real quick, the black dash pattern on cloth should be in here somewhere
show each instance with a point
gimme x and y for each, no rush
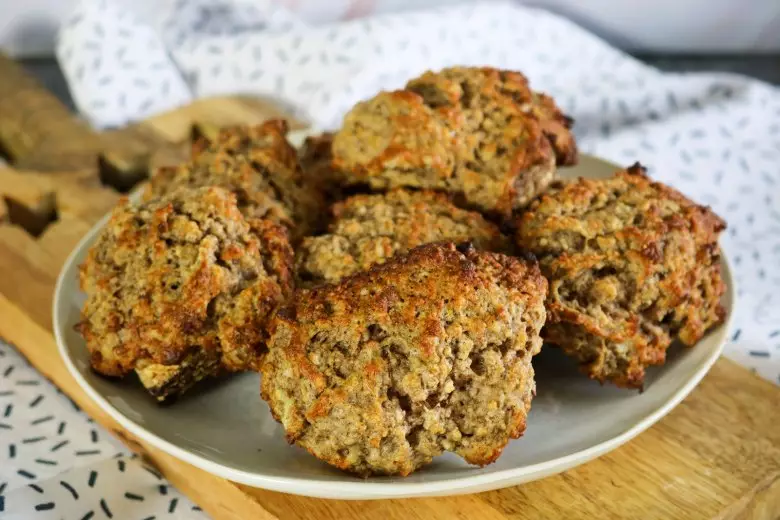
(55, 462)
(105, 508)
(70, 489)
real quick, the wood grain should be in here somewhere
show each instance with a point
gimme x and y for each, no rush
(36, 130)
(717, 455)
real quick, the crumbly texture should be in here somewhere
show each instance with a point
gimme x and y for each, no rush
(316, 157)
(479, 134)
(259, 166)
(181, 288)
(632, 265)
(476, 88)
(369, 229)
(429, 352)
(557, 128)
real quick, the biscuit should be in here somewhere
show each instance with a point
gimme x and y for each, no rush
(180, 288)
(477, 87)
(316, 159)
(478, 134)
(369, 229)
(259, 166)
(429, 352)
(632, 265)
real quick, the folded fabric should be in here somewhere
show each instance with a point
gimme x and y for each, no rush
(55, 462)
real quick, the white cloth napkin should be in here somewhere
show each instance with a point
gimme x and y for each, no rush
(716, 137)
(55, 462)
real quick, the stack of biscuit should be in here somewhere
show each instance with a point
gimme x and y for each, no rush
(180, 286)
(393, 280)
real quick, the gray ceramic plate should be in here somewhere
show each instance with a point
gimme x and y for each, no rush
(225, 428)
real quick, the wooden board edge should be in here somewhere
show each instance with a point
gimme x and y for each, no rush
(761, 503)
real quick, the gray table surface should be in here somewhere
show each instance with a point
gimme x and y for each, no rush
(764, 67)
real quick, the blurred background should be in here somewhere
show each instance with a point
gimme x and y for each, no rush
(676, 35)
(29, 27)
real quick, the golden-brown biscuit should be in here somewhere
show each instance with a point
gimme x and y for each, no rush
(632, 265)
(369, 229)
(259, 166)
(475, 88)
(179, 288)
(479, 134)
(429, 352)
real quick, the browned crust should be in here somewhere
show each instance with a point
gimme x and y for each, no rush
(395, 131)
(164, 381)
(557, 128)
(369, 229)
(316, 157)
(259, 166)
(181, 275)
(633, 264)
(450, 86)
(473, 133)
(427, 352)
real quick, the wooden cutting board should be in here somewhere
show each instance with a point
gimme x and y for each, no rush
(717, 455)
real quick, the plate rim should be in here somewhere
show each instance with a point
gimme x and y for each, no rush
(366, 489)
